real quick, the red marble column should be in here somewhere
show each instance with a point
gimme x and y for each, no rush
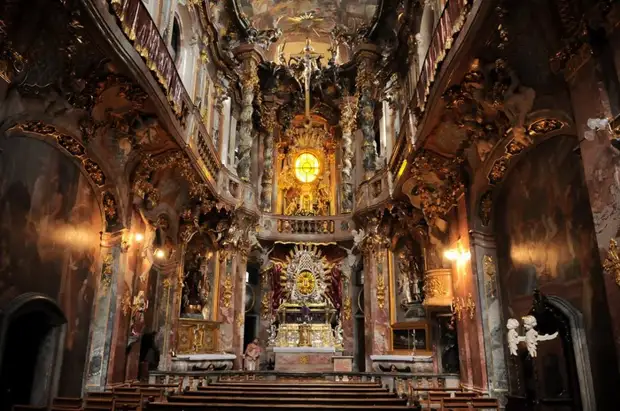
(225, 309)
(376, 302)
(469, 320)
(239, 308)
(590, 99)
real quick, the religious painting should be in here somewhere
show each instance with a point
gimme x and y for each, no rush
(545, 233)
(50, 227)
(410, 337)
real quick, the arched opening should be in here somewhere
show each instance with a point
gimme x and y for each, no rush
(546, 241)
(175, 42)
(31, 345)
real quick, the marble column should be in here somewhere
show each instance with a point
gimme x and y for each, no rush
(366, 105)
(266, 317)
(106, 326)
(167, 308)
(267, 192)
(249, 80)
(376, 300)
(484, 263)
(467, 300)
(241, 258)
(226, 289)
(592, 99)
(348, 114)
(348, 339)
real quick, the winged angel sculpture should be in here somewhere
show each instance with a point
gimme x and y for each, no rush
(531, 337)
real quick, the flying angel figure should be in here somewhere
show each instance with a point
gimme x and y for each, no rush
(513, 336)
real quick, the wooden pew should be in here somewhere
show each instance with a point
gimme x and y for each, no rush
(167, 406)
(297, 387)
(99, 401)
(29, 408)
(67, 403)
(448, 404)
(202, 391)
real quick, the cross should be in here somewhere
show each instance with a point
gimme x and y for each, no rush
(309, 58)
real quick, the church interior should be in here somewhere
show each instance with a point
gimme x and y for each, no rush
(302, 204)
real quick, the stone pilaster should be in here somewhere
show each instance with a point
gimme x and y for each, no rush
(366, 104)
(249, 80)
(348, 112)
(239, 307)
(107, 312)
(484, 263)
(348, 339)
(168, 299)
(266, 317)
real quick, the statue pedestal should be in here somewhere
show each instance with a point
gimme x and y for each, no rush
(304, 359)
(415, 363)
(215, 362)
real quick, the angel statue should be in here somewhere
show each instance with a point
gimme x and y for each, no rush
(513, 336)
(358, 237)
(531, 335)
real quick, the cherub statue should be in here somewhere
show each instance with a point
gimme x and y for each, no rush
(513, 336)
(532, 337)
(273, 333)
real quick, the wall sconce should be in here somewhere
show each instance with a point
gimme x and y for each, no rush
(458, 254)
(159, 253)
(460, 305)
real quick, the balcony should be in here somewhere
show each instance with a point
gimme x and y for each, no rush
(374, 191)
(139, 28)
(320, 229)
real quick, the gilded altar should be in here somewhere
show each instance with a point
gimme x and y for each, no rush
(305, 317)
(195, 336)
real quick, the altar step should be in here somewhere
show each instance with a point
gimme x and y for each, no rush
(212, 391)
(275, 399)
(259, 386)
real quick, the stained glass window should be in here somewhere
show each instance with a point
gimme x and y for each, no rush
(306, 167)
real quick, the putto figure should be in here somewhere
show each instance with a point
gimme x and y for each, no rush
(531, 338)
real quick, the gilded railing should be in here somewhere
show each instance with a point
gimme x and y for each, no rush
(450, 23)
(311, 228)
(374, 191)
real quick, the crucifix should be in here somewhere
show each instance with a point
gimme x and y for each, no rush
(309, 60)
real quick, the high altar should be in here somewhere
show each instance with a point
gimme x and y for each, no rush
(304, 339)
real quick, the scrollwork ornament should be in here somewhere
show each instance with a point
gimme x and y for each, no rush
(612, 261)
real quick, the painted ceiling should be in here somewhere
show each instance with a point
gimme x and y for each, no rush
(315, 19)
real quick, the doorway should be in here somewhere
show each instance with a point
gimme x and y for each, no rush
(31, 335)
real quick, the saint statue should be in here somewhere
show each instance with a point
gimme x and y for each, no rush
(252, 356)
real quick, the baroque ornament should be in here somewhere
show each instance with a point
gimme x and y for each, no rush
(364, 91)
(612, 261)
(347, 125)
(485, 207)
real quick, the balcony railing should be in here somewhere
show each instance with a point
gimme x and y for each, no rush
(450, 23)
(374, 191)
(311, 228)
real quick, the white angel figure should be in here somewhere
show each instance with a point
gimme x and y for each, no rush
(532, 337)
(358, 236)
(513, 336)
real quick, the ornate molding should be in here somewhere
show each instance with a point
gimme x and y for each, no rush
(611, 264)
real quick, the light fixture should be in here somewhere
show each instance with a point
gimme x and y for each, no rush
(159, 253)
(458, 254)
(139, 237)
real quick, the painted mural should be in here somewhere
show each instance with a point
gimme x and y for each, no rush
(546, 237)
(312, 17)
(49, 240)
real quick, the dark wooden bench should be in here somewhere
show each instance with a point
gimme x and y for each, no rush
(290, 393)
(393, 400)
(167, 406)
(448, 404)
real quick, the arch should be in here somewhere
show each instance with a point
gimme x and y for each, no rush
(111, 212)
(44, 385)
(580, 348)
(542, 125)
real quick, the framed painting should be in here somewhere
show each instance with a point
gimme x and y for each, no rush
(407, 337)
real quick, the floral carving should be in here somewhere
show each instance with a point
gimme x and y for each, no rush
(486, 206)
(106, 272)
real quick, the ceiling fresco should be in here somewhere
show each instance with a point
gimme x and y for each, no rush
(315, 19)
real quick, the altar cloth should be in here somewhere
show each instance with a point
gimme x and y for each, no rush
(304, 349)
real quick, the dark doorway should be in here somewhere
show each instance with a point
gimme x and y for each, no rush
(550, 381)
(30, 338)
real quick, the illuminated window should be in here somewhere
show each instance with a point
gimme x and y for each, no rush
(306, 168)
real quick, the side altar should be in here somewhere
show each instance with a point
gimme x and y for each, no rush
(306, 333)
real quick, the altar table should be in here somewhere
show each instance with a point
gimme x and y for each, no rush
(305, 359)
